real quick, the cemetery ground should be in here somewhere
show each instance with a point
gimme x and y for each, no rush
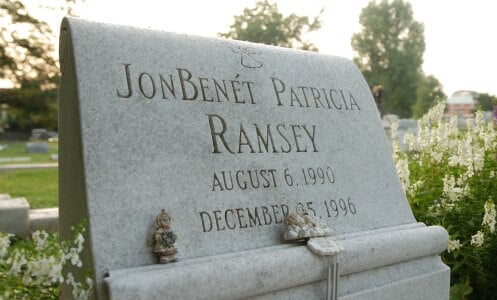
(15, 153)
(38, 186)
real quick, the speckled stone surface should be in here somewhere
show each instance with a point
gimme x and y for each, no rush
(378, 263)
(226, 136)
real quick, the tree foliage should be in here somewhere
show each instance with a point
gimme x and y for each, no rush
(265, 24)
(25, 45)
(29, 107)
(487, 101)
(27, 61)
(389, 51)
(428, 94)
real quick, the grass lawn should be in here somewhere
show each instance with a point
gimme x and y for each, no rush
(40, 187)
(17, 149)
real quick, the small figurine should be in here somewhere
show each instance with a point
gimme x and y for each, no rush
(164, 239)
(300, 225)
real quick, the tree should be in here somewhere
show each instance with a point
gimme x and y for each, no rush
(265, 24)
(27, 61)
(487, 101)
(428, 94)
(389, 51)
(29, 107)
(25, 45)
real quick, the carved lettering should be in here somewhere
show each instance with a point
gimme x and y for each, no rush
(191, 87)
(151, 93)
(290, 138)
(242, 218)
(185, 78)
(128, 83)
(227, 180)
(218, 134)
(295, 96)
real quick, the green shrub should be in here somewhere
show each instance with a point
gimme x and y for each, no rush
(449, 176)
(32, 269)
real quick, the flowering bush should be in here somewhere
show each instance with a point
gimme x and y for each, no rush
(449, 176)
(33, 269)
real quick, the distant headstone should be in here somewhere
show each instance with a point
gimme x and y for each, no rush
(229, 137)
(14, 215)
(37, 147)
(39, 133)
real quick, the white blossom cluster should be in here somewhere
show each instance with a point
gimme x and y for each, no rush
(78, 290)
(489, 217)
(477, 239)
(461, 153)
(489, 221)
(453, 245)
(43, 265)
(4, 245)
(437, 141)
(402, 164)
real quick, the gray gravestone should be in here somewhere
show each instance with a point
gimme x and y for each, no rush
(229, 137)
(37, 147)
(38, 134)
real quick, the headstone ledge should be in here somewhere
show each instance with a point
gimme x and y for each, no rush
(228, 137)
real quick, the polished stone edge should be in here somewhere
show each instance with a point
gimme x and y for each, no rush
(266, 271)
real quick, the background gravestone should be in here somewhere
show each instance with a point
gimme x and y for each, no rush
(37, 147)
(227, 137)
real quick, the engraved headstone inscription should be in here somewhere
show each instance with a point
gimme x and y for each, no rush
(229, 137)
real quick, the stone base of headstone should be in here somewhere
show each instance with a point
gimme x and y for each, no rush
(14, 215)
(45, 218)
(393, 263)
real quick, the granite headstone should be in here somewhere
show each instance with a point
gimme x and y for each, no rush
(228, 137)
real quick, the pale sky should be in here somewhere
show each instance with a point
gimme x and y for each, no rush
(459, 34)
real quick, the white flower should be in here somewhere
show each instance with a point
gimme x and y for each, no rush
(451, 190)
(477, 239)
(453, 245)
(489, 217)
(40, 238)
(414, 188)
(73, 256)
(4, 244)
(403, 170)
(70, 279)
(54, 272)
(79, 242)
(78, 291)
(435, 210)
(16, 262)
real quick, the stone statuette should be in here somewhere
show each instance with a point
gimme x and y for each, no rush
(164, 239)
(300, 225)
